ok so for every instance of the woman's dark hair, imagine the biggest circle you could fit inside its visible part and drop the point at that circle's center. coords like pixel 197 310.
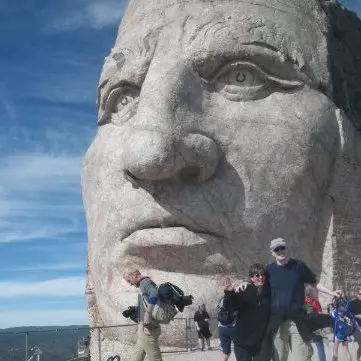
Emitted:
pixel 256 268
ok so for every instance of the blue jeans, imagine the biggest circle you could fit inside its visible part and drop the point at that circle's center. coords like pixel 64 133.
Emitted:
pixel 318 341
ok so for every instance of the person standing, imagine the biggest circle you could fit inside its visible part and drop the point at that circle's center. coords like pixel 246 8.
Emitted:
pixel 149 330
pixel 201 319
pixel 287 278
pixel 314 306
pixel 226 322
pixel 250 338
pixel 355 308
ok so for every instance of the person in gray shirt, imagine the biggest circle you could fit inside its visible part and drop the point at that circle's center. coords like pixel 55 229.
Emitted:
pixel 149 330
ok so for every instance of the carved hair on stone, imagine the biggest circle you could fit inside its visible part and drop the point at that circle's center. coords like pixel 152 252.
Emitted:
pixel 344 57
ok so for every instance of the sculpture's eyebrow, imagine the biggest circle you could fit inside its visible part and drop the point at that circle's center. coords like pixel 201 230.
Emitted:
pixel 126 64
pixel 208 61
pixel 246 38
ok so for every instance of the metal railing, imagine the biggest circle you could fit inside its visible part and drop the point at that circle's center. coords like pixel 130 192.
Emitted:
pixel 62 344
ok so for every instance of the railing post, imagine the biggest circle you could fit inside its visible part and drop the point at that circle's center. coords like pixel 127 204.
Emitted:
pixel 26 346
pixel 187 343
pixel 99 345
pixel 189 334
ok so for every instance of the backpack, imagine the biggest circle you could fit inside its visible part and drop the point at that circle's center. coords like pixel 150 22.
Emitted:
pixel 308 306
pixel 169 293
pixel 224 315
pixel 165 310
pixel 344 320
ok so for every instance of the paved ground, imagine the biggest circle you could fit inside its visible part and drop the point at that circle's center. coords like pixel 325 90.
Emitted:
pixel 214 355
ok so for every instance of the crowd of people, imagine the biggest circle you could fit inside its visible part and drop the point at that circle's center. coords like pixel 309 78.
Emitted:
pixel 272 315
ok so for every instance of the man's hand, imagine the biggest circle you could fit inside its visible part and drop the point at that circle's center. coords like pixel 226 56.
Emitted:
pixel 228 284
pixel 147 319
pixel 337 293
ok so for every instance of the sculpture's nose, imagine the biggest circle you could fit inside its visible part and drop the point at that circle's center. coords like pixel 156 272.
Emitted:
pixel 167 142
pixel 151 155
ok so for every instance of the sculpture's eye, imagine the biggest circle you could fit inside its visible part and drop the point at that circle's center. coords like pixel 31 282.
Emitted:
pixel 125 98
pixel 122 103
pixel 241 77
pixel 244 81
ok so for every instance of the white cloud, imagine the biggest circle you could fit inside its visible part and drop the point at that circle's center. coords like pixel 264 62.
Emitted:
pixel 6 104
pixel 40 172
pixel 95 14
pixel 63 317
pixel 40 197
pixel 60 287
pixel 69 88
pixel 46 267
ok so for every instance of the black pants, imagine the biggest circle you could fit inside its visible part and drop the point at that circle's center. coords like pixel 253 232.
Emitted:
pixel 255 353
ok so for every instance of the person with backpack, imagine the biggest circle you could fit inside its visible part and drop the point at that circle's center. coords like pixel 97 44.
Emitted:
pixel 149 329
pixel 312 306
pixel 355 307
pixel 201 319
pixel 344 327
pixel 226 323
pixel 250 337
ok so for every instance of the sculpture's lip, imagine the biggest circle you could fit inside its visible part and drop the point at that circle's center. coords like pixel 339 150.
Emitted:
pixel 169 223
pixel 178 250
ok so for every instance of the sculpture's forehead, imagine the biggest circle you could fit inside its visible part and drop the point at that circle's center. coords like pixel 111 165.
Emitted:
pixel 296 17
pixel 296 29
pixel 156 9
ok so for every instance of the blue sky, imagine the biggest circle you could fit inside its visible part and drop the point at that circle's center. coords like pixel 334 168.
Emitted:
pixel 51 56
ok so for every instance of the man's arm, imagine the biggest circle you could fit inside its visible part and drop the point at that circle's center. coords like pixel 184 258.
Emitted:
pixel 310 278
pixel 150 291
pixel 322 288
pixel 196 319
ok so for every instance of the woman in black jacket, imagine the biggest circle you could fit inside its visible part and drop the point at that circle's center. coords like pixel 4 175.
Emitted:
pixel 251 343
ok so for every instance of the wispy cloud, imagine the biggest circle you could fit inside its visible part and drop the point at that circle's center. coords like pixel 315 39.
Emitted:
pixel 55 317
pixel 40 172
pixel 6 104
pixel 61 287
pixel 45 267
pixel 95 14
pixel 39 197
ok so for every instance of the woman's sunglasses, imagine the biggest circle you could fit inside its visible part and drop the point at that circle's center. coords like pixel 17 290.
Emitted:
pixel 259 275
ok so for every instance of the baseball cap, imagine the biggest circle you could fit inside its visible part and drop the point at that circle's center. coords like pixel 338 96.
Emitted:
pixel 278 242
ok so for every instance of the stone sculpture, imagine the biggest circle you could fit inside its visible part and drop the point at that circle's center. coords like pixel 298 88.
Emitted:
pixel 222 125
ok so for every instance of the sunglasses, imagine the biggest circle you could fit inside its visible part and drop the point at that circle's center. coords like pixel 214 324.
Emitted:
pixel 259 275
pixel 280 248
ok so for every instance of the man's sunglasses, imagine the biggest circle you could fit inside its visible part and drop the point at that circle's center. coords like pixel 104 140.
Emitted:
pixel 280 248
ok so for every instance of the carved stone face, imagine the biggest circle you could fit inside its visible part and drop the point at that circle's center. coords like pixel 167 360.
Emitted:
pixel 213 139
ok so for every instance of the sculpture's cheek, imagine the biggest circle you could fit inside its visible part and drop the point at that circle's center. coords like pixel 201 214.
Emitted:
pixel 283 149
